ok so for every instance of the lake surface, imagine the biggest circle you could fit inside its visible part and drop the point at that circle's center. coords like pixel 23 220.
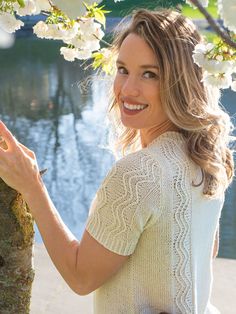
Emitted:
pixel 57 109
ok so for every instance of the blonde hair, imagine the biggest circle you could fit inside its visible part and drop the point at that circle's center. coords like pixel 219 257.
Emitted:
pixel 191 106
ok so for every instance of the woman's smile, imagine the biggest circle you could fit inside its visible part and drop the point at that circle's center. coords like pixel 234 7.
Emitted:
pixel 136 85
pixel 132 109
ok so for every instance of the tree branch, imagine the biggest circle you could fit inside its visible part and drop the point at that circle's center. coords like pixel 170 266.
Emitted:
pixel 219 31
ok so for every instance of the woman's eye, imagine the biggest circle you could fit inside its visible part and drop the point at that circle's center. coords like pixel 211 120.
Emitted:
pixel 149 74
pixel 122 70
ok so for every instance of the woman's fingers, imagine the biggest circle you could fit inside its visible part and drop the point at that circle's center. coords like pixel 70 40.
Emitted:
pixel 3 143
pixel 7 136
pixel 29 152
pixel 18 164
pixel 10 141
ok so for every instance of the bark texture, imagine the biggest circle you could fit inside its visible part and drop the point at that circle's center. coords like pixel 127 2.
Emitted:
pixel 16 250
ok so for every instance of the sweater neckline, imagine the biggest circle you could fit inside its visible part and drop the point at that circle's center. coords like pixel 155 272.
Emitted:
pixel 173 135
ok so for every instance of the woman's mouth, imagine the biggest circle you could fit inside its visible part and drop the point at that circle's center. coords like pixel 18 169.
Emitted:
pixel 133 108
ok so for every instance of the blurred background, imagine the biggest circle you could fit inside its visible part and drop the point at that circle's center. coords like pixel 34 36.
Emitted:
pixel 58 110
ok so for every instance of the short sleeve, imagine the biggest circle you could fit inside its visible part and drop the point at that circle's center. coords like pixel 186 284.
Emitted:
pixel 119 214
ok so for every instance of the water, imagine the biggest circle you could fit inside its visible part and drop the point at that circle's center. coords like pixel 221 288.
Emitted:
pixel 53 110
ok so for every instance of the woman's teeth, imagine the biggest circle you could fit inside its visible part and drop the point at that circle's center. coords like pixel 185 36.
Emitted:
pixel 134 107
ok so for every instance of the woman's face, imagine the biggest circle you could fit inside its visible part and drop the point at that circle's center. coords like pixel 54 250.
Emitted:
pixel 136 85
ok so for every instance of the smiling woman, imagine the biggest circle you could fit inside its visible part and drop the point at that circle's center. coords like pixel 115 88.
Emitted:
pixel 137 89
pixel 162 202
pixel 176 86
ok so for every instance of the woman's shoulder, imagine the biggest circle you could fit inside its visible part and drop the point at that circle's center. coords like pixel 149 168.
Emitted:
pixel 132 177
pixel 134 160
pixel 158 155
pixel 137 165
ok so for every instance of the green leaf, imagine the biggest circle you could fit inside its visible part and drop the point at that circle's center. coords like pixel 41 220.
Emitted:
pixel 105 11
pixel 101 61
pixel 86 5
pixel 97 55
pixel 97 12
pixel 100 17
pixel 98 60
pixel 21 3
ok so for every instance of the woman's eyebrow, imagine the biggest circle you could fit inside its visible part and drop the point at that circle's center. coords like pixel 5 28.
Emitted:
pixel 144 66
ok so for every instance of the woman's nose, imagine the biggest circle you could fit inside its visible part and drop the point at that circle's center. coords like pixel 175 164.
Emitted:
pixel 130 87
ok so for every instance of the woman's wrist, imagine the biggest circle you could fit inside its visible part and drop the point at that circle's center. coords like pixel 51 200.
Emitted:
pixel 34 193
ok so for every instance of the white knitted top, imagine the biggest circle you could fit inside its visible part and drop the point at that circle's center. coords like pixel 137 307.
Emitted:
pixel 147 208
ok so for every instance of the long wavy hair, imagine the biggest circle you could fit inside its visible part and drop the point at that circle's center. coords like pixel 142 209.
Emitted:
pixel 193 107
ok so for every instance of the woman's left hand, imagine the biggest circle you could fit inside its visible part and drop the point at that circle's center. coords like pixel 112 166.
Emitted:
pixel 18 164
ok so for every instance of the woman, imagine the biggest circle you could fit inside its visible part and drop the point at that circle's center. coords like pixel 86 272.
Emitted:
pixel 152 229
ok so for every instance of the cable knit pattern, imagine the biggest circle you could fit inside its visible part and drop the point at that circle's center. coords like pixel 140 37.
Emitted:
pixel 122 194
pixel 181 224
pixel 148 209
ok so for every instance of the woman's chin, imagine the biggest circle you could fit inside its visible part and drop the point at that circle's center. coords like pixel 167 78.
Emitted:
pixel 132 122
pixel 130 125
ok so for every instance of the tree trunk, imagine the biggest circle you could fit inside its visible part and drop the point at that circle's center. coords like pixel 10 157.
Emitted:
pixel 16 248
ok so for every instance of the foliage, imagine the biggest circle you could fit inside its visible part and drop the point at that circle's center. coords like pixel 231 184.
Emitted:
pixel 124 8
pixel 84 34
pixel 195 14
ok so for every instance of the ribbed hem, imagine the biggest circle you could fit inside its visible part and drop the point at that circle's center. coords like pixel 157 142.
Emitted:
pixel 108 241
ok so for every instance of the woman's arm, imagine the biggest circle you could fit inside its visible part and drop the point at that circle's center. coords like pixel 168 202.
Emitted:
pixel 59 241
pixel 84 266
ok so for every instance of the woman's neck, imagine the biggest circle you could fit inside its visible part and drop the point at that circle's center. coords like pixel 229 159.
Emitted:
pixel 148 135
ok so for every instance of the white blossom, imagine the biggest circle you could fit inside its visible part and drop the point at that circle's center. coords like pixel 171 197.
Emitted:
pixel 71 32
pixel 55 31
pixel 30 8
pixel 203 48
pixel 84 54
pixel 87 36
pixel 200 51
pixel 217 80
pixel 233 86
pixel 210 65
pixel 91 34
pixel 87 26
pixel 98 32
pixel 234 67
pixel 6 39
pixel 75 41
pixel 40 29
pixel 199 59
pixel 108 60
pixel 215 66
pixel 219 58
pixel 9 23
pixel 70 54
pixel 91 43
pixel 227 11
pixel 49 31
pixel 106 53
